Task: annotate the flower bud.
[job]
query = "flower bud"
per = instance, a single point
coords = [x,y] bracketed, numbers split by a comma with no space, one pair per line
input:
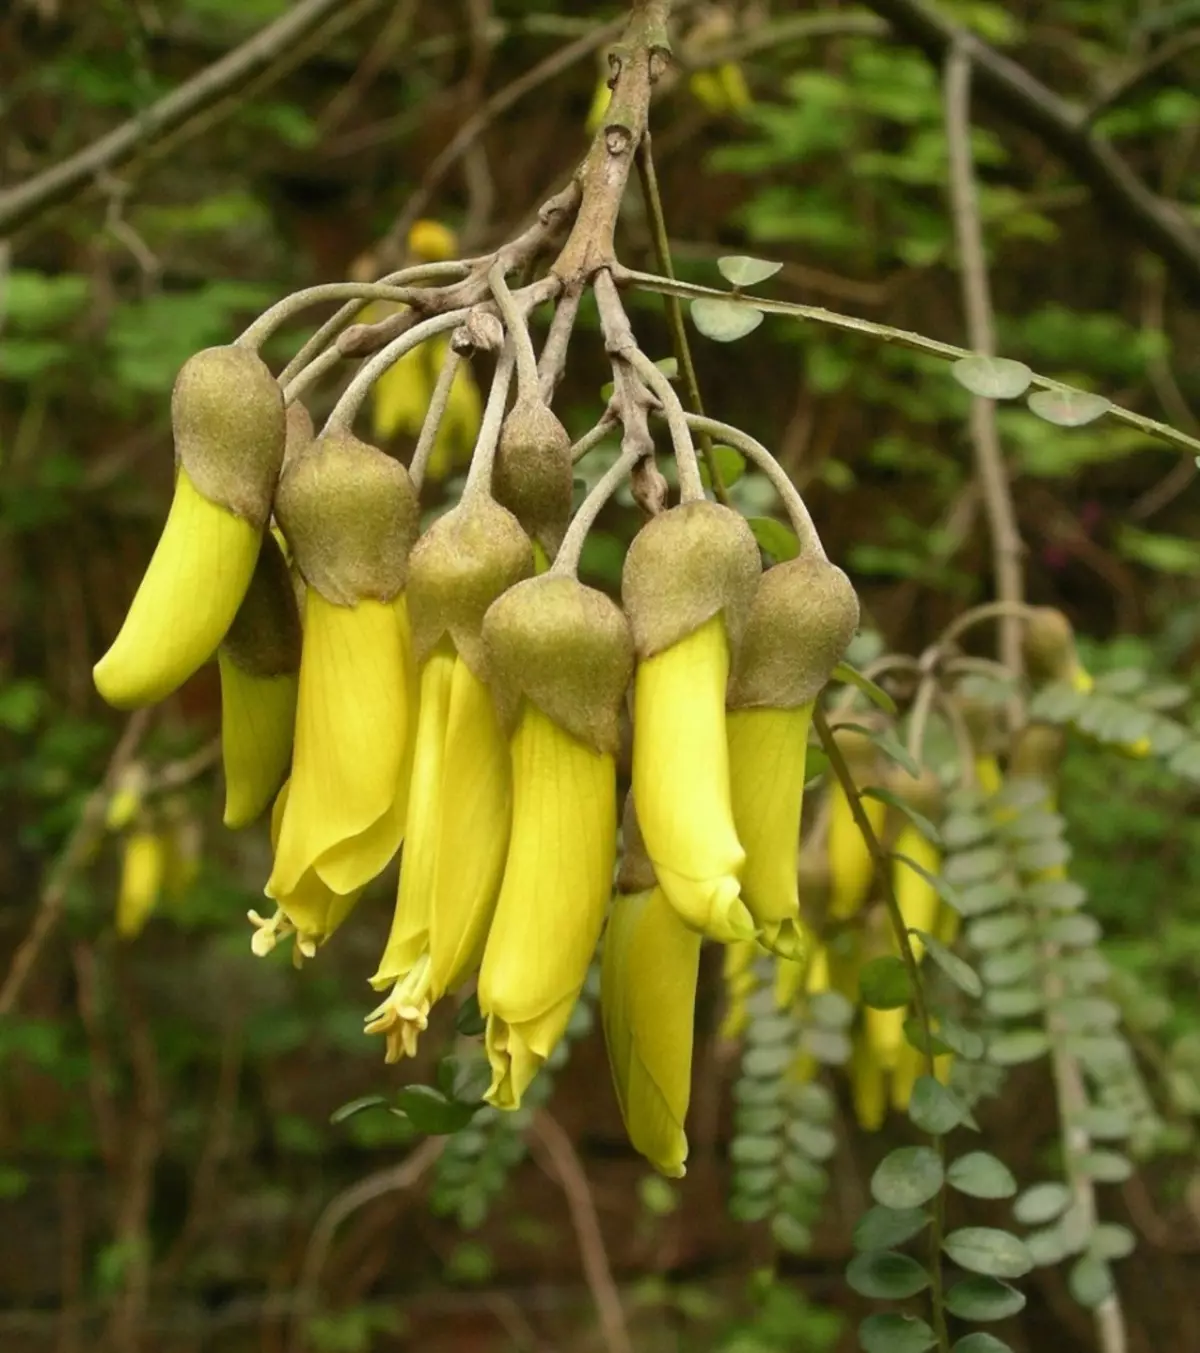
[1049,647]
[259,662]
[566,649]
[533,476]
[229,424]
[467,558]
[349,514]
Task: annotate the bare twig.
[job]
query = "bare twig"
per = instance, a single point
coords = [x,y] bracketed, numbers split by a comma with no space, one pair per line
[553,359]
[80,844]
[981,335]
[1163,56]
[27,200]
[566,1166]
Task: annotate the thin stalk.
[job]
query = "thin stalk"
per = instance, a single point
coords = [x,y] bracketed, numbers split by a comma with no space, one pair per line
[433,418]
[789,494]
[648,179]
[396,287]
[991,610]
[883,874]
[603,430]
[479,476]
[882,333]
[346,409]
[691,486]
[553,360]
[566,561]
[918,718]
[518,334]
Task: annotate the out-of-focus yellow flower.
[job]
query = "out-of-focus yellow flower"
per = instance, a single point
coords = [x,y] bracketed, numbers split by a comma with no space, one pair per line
[916,896]
[987,774]
[143,866]
[850,865]
[740,981]
[648,1000]
[431,241]
[868,1085]
[722,89]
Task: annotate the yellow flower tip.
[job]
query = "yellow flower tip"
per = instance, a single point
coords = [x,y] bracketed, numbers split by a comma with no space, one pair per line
[268,931]
[404,1015]
[712,906]
[1082,680]
[143,866]
[790,938]
[185,603]
[257,718]
[514,1065]
[1139,749]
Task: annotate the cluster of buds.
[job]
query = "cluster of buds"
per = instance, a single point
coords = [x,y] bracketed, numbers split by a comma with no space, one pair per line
[460,691]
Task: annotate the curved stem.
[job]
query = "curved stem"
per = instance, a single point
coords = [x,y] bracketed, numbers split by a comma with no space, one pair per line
[962,737]
[518,334]
[553,360]
[691,486]
[603,430]
[918,718]
[397,287]
[992,610]
[479,476]
[889,662]
[789,494]
[345,410]
[433,418]
[311,373]
[566,561]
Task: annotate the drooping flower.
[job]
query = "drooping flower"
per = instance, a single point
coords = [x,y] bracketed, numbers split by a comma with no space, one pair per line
[560,658]
[850,866]
[228,420]
[688,581]
[349,515]
[648,1003]
[803,616]
[461,802]
[259,663]
[143,874]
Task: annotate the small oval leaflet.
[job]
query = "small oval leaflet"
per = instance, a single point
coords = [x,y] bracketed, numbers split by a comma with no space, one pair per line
[1106,1167]
[740,270]
[886,1276]
[1067,407]
[895,1334]
[1111,1240]
[979,1342]
[725,321]
[1090,1280]
[882,1228]
[1042,1203]
[988,1251]
[778,540]
[884,983]
[731,465]
[1022,1045]
[984,1299]
[907,1177]
[992,377]
[851,676]
[935,1108]
[958,970]
[979,1174]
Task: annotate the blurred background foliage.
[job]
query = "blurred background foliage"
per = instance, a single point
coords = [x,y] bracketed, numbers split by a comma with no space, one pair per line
[169,1174]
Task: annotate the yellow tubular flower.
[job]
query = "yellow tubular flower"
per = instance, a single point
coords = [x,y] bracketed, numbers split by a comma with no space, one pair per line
[143,869]
[688,582]
[803,617]
[648,999]
[229,425]
[400,397]
[349,514]
[431,241]
[867,1086]
[915,895]
[789,982]
[559,656]
[740,981]
[987,774]
[850,859]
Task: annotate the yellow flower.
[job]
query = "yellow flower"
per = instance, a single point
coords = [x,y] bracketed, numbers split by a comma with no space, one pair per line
[648,998]
[400,397]
[916,897]
[431,241]
[557,880]
[867,1085]
[849,857]
[186,601]
[987,774]
[143,869]
[740,981]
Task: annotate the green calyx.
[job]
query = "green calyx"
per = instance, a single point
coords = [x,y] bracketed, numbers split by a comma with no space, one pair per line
[532,475]
[229,426]
[684,567]
[803,616]
[349,514]
[566,648]
[299,432]
[264,639]
[466,559]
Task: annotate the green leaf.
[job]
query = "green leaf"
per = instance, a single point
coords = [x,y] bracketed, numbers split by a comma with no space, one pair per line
[1034,857]
[980,899]
[1077,929]
[831,1010]
[1067,407]
[814,1140]
[739,270]
[964,829]
[1048,1246]
[1013,1002]
[1112,1241]
[1106,1167]
[958,970]
[1090,1280]
[790,1234]
[1010,966]
[988,1251]
[895,1334]
[907,1177]
[1056,894]
[950,1036]
[883,1228]
[884,984]
[851,676]
[979,1174]
[731,465]
[431,1112]
[884,1275]
[1105,1123]
[974,866]
[469,1020]
[354,1106]
[919,820]
[778,540]
[755,1150]
[980,1342]
[1018,1047]
[935,1108]
[1042,1203]
[945,890]
[890,745]
[725,321]
[998,932]
[992,377]
[984,1300]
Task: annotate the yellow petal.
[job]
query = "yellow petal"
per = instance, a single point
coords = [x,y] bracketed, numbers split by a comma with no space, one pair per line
[257,718]
[557,880]
[987,773]
[311,908]
[789,982]
[143,866]
[850,863]
[768,749]
[345,810]
[740,981]
[1081,679]
[681,782]
[473,832]
[186,601]
[867,1087]
[648,1000]
[916,897]
[733,82]
[431,241]
[885,1035]
[600,101]
[400,397]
